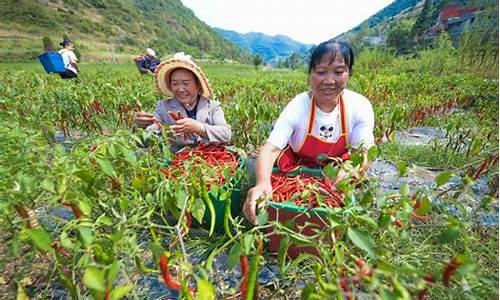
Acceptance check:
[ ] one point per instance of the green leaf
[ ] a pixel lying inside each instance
(330, 171)
(443, 178)
(181, 198)
(402, 168)
(198, 209)
(367, 199)
(388, 295)
(284, 244)
(137, 182)
(66, 241)
(384, 219)
(106, 167)
(425, 206)
(94, 279)
(86, 235)
(85, 175)
(48, 186)
(129, 155)
(449, 234)
(157, 250)
(113, 273)
(234, 256)
(105, 220)
(404, 189)
(262, 217)
(121, 291)
(40, 238)
(205, 290)
(372, 153)
(85, 207)
(361, 239)
(112, 151)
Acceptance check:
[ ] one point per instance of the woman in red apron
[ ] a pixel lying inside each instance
(330, 68)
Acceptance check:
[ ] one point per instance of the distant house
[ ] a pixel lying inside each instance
(454, 18)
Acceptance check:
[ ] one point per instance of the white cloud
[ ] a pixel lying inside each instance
(312, 21)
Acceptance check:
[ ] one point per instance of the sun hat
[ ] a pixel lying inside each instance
(150, 52)
(180, 60)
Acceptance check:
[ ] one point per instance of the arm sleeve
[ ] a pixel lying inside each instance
(284, 127)
(362, 132)
(219, 131)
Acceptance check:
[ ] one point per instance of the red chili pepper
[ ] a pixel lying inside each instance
(421, 218)
(481, 169)
(164, 171)
(422, 293)
(244, 275)
(59, 249)
(359, 262)
(115, 184)
(398, 223)
(93, 147)
(74, 208)
(174, 116)
(346, 156)
(157, 123)
(344, 284)
(450, 270)
(169, 281)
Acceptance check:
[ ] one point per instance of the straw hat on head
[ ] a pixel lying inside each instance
(180, 60)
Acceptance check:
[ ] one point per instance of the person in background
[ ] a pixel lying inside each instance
(148, 62)
(69, 59)
(337, 121)
(188, 109)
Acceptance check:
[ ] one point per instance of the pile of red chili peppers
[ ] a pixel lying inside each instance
(215, 156)
(284, 187)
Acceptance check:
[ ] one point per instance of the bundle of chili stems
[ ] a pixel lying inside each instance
(214, 156)
(286, 187)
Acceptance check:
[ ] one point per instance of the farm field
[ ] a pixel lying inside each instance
(86, 211)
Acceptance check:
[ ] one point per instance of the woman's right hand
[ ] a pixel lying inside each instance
(264, 190)
(143, 119)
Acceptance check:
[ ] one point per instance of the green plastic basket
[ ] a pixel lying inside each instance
(234, 189)
(306, 218)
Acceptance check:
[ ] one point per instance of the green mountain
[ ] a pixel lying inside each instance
(270, 48)
(109, 29)
(409, 25)
(387, 12)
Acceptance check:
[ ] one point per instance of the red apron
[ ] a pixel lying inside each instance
(315, 152)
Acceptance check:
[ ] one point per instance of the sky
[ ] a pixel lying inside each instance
(306, 21)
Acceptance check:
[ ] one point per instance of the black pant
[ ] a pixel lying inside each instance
(68, 74)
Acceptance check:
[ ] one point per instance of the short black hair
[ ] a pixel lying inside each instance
(65, 42)
(333, 48)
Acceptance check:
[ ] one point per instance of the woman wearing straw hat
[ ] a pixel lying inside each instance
(190, 112)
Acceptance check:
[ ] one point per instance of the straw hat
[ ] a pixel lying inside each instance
(180, 60)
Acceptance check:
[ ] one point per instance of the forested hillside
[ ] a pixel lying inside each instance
(103, 29)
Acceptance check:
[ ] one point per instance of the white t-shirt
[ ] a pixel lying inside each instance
(292, 124)
(68, 56)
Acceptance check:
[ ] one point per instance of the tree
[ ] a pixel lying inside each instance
(399, 37)
(424, 20)
(257, 60)
(293, 61)
(47, 44)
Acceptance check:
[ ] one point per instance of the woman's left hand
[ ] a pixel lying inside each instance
(188, 126)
